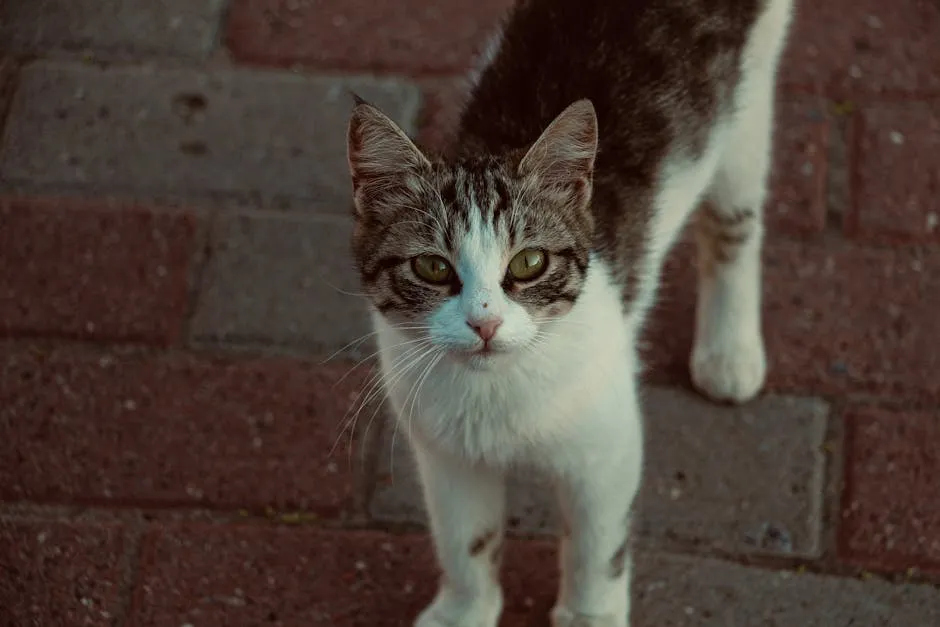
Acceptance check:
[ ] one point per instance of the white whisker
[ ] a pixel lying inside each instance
(370, 389)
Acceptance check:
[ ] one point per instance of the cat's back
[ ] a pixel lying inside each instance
(643, 63)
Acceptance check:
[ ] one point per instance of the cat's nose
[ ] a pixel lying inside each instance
(486, 329)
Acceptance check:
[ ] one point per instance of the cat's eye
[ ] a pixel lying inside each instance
(433, 269)
(528, 264)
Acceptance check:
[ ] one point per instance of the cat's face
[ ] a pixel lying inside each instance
(473, 256)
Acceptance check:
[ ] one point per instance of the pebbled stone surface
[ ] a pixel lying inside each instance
(797, 202)
(60, 573)
(281, 280)
(175, 430)
(747, 479)
(94, 271)
(413, 37)
(897, 173)
(251, 575)
(176, 28)
(890, 516)
(861, 48)
(255, 138)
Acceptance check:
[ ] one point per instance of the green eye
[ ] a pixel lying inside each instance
(432, 268)
(528, 264)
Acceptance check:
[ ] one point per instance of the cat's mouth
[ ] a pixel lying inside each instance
(480, 355)
(484, 351)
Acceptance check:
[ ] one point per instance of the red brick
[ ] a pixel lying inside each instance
(440, 112)
(92, 271)
(412, 36)
(891, 513)
(838, 317)
(7, 84)
(77, 426)
(897, 173)
(252, 576)
(60, 574)
(846, 47)
(797, 199)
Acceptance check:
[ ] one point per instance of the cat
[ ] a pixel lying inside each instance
(509, 282)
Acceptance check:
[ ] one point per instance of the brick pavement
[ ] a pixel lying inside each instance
(173, 276)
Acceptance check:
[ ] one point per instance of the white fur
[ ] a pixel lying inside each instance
(728, 361)
(562, 395)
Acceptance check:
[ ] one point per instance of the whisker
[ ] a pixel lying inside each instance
(421, 382)
(355, 342)
(402, 327)
(345, 422)
(369, 389)
(394, 370)
(560, 320)
(377, 352)
(399, 418)
(344, 292)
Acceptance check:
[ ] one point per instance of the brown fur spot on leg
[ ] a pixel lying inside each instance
(496, 555)
(726, 220)
(721, 234)
(618, 562)
(477, 546)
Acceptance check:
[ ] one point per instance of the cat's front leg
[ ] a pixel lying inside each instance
(596, 503)
(465, 504)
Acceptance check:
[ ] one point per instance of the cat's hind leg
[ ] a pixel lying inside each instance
(728, 361)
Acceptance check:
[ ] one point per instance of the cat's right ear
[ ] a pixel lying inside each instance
(561, 161)
(383, 161)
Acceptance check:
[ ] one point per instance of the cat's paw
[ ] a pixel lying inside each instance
(563, 617)
(729, 371)
(444, 612)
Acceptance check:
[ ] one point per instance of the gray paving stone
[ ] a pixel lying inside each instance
(680, 591)
(168, 27)
(282, 280)
(736, 478)
(266, 138)
(746, 479)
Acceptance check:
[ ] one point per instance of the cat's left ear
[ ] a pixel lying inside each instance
(562, 158)
(382, 159)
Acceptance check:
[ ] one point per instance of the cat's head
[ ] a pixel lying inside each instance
(477, 254)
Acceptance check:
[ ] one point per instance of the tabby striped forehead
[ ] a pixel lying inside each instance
(481, 196)
(476, 215)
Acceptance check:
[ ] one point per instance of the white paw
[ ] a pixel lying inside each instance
(444, 612)
(732, 371)
(563, 617)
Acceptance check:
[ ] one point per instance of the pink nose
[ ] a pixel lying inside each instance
(486, 329)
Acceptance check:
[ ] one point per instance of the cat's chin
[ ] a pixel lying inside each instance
(483, 359)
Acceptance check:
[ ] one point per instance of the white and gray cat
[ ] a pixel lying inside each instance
(510, 282)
